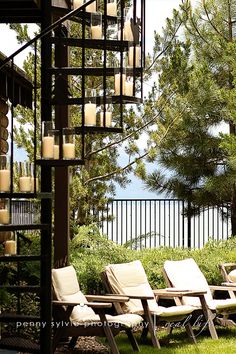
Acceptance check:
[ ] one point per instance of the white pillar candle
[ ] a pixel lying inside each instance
(32, 184)
(4, 180)
(112, 9)
(69, 151)
(129, 88)
(128, 34)
(90, 114)
(91, 7)
(56, 152)
(47, 147)
(10, 247)
(117, 83)
(108, 119)
(25, 184)
(96, 32)
(137, 56)
(78, 3)
(4, 216)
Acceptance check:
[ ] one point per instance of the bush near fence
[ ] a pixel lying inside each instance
(90, 252)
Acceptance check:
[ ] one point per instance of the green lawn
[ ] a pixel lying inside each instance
(179, 344)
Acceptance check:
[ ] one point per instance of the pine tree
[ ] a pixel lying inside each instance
(194, 161)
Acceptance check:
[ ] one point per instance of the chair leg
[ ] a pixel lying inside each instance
(73, 342)
(149, 323)
(208, 317)
(190, 333)
(108, 333)
(132, 339)
(144, 334)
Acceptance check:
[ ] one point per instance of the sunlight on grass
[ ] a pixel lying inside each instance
(179, 343)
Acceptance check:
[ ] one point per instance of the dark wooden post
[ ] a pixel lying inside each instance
(61, 210)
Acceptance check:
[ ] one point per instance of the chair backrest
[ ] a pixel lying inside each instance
(130, 279)
(228, 271)
(66, 288)
(186, 275)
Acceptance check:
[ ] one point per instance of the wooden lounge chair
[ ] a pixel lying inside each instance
(74, 313)
(130, 279)
(228, 271)
(185, 274)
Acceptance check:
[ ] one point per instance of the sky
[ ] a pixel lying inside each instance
(156, 13)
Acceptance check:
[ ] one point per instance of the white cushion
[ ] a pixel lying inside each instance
(175, 310)
(223, 304)
(232, 276)
(130, 279)
(185, 274)
(126, 320)
(66, 288)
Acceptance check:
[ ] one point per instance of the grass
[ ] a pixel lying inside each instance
(179, 343)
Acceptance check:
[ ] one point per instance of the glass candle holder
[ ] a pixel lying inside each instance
(56, 146)
(68, 146)
(134, 56)
(77, 3)
(34, 179)
(10, 248)
(25, 177)
(47, 139)
(5, 176)
(112, 31)
(4, 211)
(120, 80)
(129, 86)
(106, 116)
(96, 25)
(90, 107)
(111, 8)
(92, 7)
(127, 32)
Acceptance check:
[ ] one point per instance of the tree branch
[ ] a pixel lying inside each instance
(211, 23)
(119, 170)
(134, 132)
(166, 48)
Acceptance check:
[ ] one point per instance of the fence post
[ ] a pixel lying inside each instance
(189, 223)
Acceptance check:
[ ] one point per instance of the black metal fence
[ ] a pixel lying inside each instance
(150, 223)
(24, 212)
(161, 222)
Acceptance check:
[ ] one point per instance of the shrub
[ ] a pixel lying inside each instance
(90, 252)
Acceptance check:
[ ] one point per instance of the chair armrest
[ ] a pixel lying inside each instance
(223, 288)
(169, 293)
(233, 284)
(90, 304)
(107, 298)
(138, 297)
(228, 265)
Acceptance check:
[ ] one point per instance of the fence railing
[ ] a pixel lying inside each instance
(147, 223)
(161, 222)
(24, 212)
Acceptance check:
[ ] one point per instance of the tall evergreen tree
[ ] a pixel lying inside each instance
(194, 161)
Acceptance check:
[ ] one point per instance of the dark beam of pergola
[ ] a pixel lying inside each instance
(21, 93)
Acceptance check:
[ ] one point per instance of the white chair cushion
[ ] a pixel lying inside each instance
(185, 274)
(175, 311)
(223, 304)
(126, 320)
(66, 288)
(130, 279)
(232, 276)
